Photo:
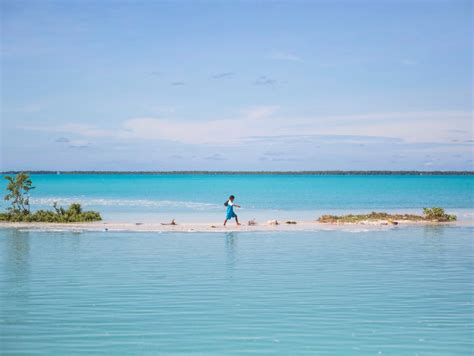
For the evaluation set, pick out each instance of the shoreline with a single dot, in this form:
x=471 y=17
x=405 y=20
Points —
x=276 y=172
x=300 y=226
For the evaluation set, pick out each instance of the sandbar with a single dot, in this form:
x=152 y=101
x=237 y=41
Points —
x=217 y=227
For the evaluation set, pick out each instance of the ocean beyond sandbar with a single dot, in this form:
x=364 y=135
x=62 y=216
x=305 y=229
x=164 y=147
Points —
x=323 y=173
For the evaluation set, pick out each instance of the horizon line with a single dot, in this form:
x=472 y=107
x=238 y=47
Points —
x=279 y=172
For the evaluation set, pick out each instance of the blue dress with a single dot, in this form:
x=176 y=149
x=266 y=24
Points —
x=230 y=212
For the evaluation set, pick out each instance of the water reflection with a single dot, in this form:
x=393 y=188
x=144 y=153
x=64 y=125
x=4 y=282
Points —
x=390 y=289
x=437 y=231
x=230 y=247
x=15 y=253
x=434 y=241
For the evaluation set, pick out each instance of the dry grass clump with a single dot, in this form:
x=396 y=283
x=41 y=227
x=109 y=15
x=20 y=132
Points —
x=429 y=215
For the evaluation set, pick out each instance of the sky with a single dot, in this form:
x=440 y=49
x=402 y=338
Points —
x=241 y=85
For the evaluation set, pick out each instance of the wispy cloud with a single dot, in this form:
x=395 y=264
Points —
x=285 y=56
x=260 y=112
x=408 y=62
x=62 y=140
x=284 y=159
x=71 y=128
x=66 y=142
x=83 y=130
x=78 y=144
x=266 y=124
x=274 y=154
x=321 y=139
x=178 y=83
x=216 y=157
x=223 y=75
x=264 y=80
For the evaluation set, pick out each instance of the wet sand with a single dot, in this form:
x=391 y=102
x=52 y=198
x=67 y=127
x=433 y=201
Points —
x=217 y=227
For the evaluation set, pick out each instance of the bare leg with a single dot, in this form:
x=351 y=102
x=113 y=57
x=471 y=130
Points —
x=237 y=220
x=225 y=221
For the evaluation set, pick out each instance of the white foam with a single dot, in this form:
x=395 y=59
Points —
x=124 y=202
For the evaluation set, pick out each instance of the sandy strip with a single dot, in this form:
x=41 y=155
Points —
x=215 y=227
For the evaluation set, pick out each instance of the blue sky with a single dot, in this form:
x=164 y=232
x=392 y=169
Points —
x=250 y=85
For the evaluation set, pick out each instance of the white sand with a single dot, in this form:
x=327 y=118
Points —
x=213 y=227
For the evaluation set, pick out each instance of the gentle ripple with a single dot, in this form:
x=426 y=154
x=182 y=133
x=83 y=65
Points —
x=402 y=291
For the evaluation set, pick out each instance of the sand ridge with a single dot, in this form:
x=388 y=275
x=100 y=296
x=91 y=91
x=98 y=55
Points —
x=213 y=227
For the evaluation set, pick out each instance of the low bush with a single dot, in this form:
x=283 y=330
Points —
x=19 y=188
x=438 y=214
x=73 y=213
x=429 y=214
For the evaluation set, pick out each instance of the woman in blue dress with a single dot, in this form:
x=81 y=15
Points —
x=230 y=210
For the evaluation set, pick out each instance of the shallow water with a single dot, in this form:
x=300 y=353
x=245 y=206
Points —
x=192 y=198
x=402 y=291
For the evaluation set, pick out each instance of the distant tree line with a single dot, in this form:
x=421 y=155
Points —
x=322 y=173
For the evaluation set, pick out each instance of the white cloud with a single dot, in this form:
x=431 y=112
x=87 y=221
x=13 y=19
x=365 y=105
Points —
x=408 y=62
x=260 y=112
x=285 y=56
x=264 y=121
x=73 y=128
x=78 y=144
x=84 y=130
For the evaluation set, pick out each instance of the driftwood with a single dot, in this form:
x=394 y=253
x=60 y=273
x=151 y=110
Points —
x=170 y=223
x=252 y=222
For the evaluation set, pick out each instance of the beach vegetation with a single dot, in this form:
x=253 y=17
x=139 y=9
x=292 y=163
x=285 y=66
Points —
x=73 y=213
x=438 y=214
x=18 y=188
x=18 y=196
x=434 y=214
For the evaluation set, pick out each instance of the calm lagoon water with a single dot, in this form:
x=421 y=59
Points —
x=132 y=197
x=403 y=291
x=408 y=290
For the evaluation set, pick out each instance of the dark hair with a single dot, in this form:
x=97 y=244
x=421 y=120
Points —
x=227 y=201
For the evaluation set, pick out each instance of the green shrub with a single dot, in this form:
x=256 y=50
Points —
x=430 y=214
x=75 y=208
x=19 y=187
x=73 y=213
x=437 y=214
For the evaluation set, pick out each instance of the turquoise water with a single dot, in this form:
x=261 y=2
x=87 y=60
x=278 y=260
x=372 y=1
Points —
x=404 y=291
x=198 y=197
